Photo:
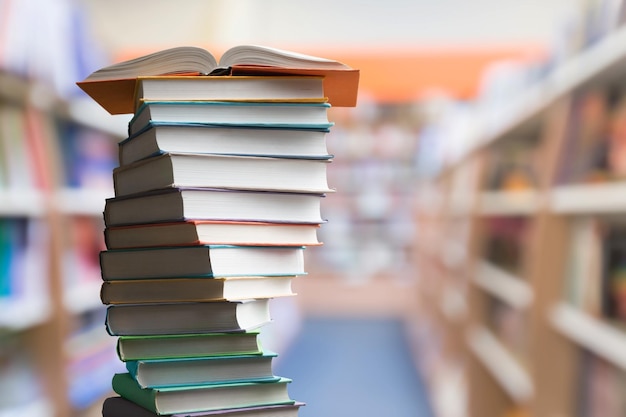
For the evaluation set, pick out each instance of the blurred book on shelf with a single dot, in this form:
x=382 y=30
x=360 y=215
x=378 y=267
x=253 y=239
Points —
x=602 y=388
x=510 y=326
x=505 y=240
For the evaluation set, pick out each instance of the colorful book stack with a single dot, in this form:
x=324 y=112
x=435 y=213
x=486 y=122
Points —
x=217 y=195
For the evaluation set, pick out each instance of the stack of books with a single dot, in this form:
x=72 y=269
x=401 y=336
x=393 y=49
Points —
x=217 y=194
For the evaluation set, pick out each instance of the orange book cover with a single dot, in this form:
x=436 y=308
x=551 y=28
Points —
x=117 y=96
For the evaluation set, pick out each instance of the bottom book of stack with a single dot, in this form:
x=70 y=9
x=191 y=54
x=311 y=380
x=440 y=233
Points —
x=120 y=407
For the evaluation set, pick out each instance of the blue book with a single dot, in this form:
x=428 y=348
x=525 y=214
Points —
x=312 y=115
x=158 y=373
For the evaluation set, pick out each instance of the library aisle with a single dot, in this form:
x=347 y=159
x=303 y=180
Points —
x=354 y=367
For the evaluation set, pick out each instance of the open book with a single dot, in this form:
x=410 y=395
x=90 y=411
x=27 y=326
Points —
x=113 y=87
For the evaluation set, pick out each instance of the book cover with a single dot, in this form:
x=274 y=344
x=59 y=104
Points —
x=202 y=261
x=186 y=318
x=188 y=345
x=172 y=400
x=157 y=373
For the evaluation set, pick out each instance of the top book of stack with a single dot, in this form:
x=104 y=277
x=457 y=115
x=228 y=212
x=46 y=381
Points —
x=116 y=87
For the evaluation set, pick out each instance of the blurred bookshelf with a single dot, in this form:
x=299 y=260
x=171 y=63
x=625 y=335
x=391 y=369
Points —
x=56 y=156
x=540 y=185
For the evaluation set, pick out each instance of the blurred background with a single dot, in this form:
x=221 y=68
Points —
x=473 y=260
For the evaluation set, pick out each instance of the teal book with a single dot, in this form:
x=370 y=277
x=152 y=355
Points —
x=189 y=399
x=188 y=346
x=200 y=371
x=313 y=115
x=7 y=251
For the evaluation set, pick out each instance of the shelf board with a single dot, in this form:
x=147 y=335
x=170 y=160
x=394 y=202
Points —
x=82 y=298
x=505 y=369
x=22 y=203
x=604 y=198
x=507 y=287
x=35 y=407
x=23 y=313
x=599 y=64
x=593 y=334
x=80 y=201
x=500 y=203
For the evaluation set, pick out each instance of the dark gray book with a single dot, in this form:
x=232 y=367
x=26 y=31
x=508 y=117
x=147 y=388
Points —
x=121 y=407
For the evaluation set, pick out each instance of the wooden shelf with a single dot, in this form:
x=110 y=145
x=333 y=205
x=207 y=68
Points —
x=593 y=334
x=504 y=368
x=507 y=287
x=601 y=64
x=38 y=407
x=604 y=198
x=453 y=305
x=518 y=203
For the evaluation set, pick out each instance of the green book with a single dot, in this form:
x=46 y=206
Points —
x=188 y=345
x=173 y=400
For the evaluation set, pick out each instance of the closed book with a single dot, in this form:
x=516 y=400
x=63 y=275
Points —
x=187 y=345
x=157 y=373
x=257 y=88
x=198 y=261
x=232 y=113
x=172 y=400
x=121 y=407
x=221 y=171
x=175 y=204
x=186 y=318
x=158 y=138
x=190 y=232
x=173 y=290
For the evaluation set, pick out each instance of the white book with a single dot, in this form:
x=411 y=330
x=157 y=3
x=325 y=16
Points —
x=175 y=204
x=186 y=318
x=168 y=138
x=222 y=171
x=201 y=261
